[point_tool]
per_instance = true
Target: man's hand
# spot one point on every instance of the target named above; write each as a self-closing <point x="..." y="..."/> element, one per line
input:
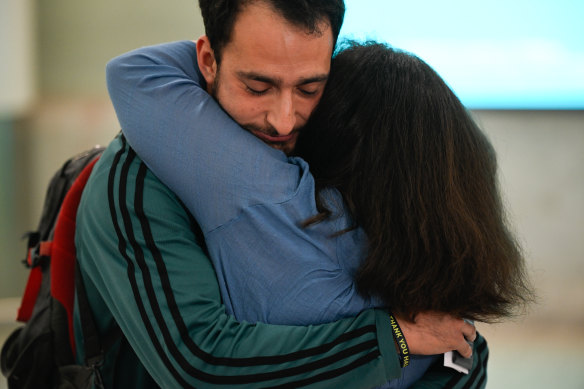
<point x="437" y="333"/>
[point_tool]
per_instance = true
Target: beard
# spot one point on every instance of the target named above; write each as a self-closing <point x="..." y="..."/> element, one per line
<point x="261" y="132"/>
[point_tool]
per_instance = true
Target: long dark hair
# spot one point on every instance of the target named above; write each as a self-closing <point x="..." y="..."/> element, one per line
<point x="420" y="177"/>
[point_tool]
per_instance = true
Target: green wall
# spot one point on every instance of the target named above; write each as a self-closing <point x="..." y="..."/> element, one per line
<point x="77" y="38"/>
<point x="12" y="213"/>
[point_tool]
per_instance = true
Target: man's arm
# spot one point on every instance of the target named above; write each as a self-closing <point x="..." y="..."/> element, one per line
<point x="135" y="244"/>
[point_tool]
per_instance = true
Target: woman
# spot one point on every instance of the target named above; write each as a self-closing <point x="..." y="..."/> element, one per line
<point x="400" y="206"/>
<point x="420" y="178"/>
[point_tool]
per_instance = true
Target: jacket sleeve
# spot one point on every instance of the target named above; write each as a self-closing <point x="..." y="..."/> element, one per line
<point x="136" y="245"/>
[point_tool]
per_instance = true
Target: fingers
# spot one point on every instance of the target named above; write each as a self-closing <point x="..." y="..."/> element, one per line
<point x="469" y="330"/>
<point x="465" y="350"/>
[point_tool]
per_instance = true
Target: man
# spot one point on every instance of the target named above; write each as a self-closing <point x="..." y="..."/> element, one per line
<point x="266" y="62"/>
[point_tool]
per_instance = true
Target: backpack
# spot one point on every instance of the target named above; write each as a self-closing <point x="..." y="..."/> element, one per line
<point x="41" y="353"/>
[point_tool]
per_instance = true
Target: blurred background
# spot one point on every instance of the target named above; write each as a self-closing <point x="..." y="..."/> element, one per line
<point x="54" y="103"/>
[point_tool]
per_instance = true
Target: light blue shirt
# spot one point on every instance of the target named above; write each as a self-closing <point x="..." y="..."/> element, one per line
<point x="248" y="198"/>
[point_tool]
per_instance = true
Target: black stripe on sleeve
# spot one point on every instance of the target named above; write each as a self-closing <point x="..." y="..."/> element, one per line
<point x="122" y="249"/>
<point x="329" y="374"/>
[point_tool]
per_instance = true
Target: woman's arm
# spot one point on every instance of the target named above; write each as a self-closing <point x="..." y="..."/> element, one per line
<point x="185" y="137"/>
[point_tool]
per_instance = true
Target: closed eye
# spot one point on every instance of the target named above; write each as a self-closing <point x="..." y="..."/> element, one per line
<point x="255" y="91"/>
<point x="308" y="92"/>
<point x="312" y="86"/>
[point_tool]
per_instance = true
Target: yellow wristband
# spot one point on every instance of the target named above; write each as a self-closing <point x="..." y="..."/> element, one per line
<point x="400" y="340"/>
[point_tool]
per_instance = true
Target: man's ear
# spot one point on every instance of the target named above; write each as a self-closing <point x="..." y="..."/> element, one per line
<point x="206" y="60"/>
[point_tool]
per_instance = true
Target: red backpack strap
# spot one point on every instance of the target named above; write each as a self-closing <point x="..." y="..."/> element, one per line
<point x="33" y="285"/>
<point x="63" y="259"/>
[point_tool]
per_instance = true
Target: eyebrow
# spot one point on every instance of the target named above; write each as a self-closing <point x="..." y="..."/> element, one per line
<point x="277" y="81"/>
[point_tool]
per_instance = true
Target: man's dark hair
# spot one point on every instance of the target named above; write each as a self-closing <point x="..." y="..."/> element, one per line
<point x="219" y="17"/>
<point x="420" y="178"/>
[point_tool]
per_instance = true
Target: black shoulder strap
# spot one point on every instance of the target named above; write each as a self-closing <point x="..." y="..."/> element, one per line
<point x="94" y="345"/>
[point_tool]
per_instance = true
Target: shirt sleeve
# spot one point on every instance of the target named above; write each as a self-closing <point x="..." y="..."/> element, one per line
<point x="135" y="244"/>
<point x="185" y="137"/>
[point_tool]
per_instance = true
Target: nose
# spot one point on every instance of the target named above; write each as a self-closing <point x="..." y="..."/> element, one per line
<point x="282" y="116"/>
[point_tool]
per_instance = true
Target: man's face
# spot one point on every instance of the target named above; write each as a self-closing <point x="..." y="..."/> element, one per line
<point x="272" y="74"/>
